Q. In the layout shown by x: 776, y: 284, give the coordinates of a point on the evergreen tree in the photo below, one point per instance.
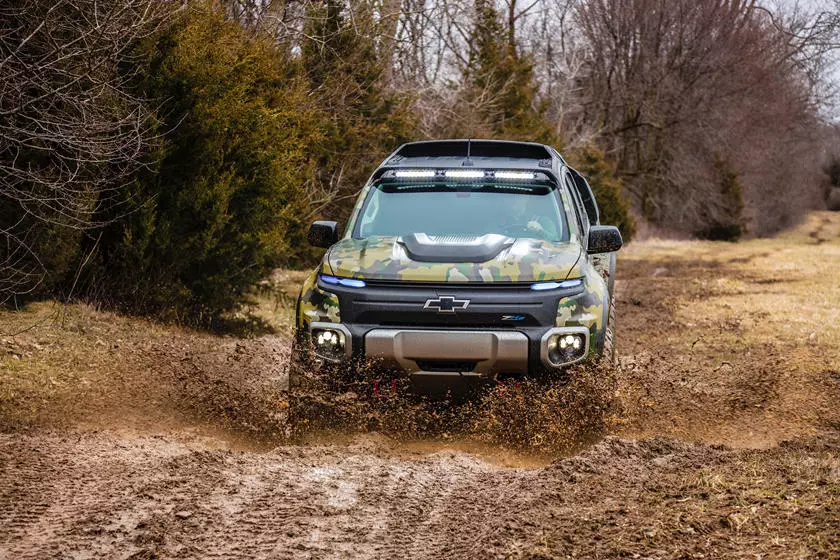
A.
x: 613, y: 206
x: 500, y: 84
x: 725, y: 217
x: 503, y: 91
x: 224, y: 205
x: 365, y: 120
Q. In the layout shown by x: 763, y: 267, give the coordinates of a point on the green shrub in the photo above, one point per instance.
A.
x: 42, y: 256
x: 225, y: 203
x: 724, y: 219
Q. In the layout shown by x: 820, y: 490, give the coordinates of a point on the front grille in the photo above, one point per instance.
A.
x: 493, y: 306
x: 412, y: 314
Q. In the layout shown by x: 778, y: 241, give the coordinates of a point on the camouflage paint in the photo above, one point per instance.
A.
x: 587, y: 309
x: 384, y: 258
x: 315, y: 304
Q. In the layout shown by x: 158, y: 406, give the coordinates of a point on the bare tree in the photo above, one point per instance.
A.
x: 71, y: 134
x: 683, y: 88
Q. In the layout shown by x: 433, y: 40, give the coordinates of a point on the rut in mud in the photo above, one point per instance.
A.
x: 716, y: 436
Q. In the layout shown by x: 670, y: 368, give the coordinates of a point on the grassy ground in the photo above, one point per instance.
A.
x: 734, y: 343
x: 274, y: 300
x: 75, y: 366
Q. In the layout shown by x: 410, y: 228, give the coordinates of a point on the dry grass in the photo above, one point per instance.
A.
x: 53, y: 357
x: 63, y: 366
x: 274, y: 300
x: 733, y: 343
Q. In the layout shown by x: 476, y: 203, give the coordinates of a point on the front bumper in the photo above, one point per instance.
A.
x: 480, y: 352
x: 485, y: 353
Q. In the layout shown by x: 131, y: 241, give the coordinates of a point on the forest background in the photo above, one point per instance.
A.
x: 163, y: 158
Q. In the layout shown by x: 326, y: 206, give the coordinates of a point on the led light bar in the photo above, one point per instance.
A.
x: 465, y: 173
x: 540, y: 286
x: 348, y: 282
x: 415, y: 173
x: 522, y: 175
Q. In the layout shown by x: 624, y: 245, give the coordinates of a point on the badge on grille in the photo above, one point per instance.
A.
x: 446, y: 304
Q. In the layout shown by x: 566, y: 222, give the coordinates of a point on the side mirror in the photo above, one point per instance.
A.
x: 604, y: 239
x: 323, y: 234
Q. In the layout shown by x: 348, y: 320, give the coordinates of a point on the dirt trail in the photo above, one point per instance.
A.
x: 129, y: 440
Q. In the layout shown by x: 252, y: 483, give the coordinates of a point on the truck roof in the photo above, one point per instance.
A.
x: 482, y: 153
x: 488, y: 154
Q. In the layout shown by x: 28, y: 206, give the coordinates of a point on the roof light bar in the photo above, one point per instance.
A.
x: 514, y: 175
x: 415, y: 173
x: 540, y: 286
x: 465, y: 174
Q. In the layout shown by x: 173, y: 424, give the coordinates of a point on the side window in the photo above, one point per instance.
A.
x: 580, y: 211
x: 584, y: 191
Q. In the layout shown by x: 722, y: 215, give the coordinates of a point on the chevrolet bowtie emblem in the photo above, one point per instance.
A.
x: 446, y: 304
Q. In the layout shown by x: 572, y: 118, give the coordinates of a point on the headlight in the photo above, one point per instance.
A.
x: 330, y: 342
x: 539, y: 286
x: 347, y: 282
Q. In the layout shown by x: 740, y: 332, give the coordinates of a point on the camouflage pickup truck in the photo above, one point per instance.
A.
x: 462, y: 261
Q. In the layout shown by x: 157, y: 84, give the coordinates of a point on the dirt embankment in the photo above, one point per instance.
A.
x: 124, y: 439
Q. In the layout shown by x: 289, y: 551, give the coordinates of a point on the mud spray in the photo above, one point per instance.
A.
x: 235, y: 390
x: 545, y: 417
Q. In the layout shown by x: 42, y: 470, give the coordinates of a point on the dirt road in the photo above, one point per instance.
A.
x: 120, y: 438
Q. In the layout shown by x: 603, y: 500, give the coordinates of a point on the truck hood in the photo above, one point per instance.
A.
x: 416, y: 259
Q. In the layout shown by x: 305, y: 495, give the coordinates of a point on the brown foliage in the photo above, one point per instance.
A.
x: 674, y: 84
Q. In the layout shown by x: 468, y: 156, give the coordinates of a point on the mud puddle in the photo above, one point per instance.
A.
x: 94, y: 495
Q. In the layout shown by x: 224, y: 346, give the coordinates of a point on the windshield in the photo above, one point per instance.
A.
x: 531, y: 211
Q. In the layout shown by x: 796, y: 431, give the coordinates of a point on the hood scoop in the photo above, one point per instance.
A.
x: 454, y: 248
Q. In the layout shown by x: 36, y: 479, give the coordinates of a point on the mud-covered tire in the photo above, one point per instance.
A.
x: 297, y: 365
x: 314, y: 397
x: 608, y: 351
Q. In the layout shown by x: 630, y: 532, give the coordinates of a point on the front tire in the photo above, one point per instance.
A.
x: 298, y: 363
x: 608, y: 353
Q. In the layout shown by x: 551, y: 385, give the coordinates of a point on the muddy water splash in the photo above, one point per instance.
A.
x: 535, y: 417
